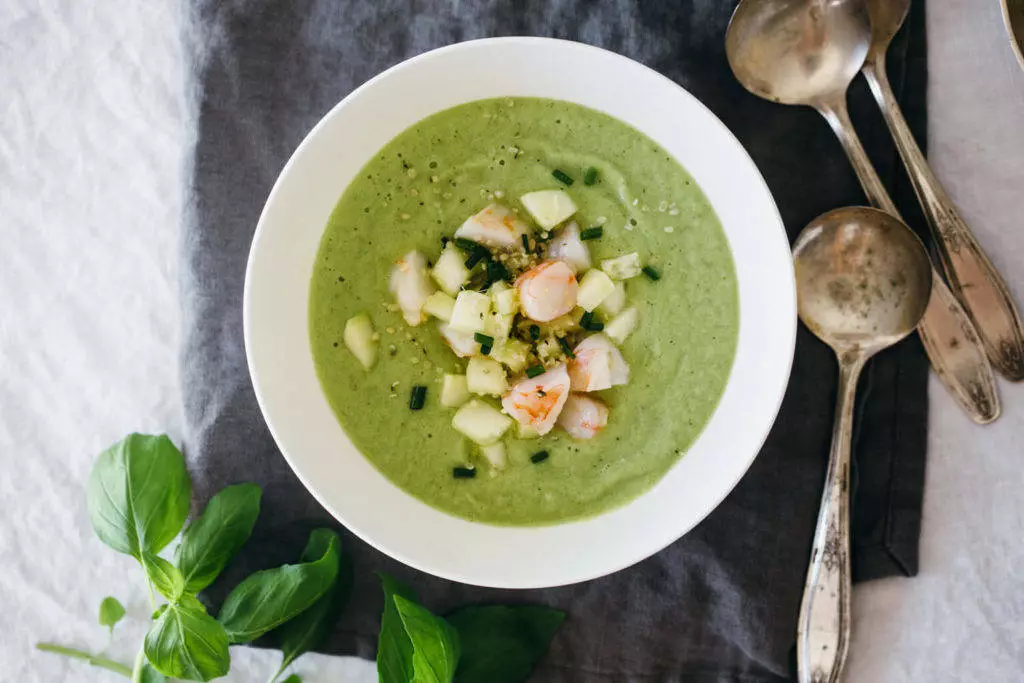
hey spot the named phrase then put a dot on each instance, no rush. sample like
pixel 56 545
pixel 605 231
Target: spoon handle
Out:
pixel 823 632
pixel 949 337
pixel 972 277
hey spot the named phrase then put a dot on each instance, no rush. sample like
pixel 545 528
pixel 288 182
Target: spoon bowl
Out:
pixel 798 52
pixel 863 279
pixel 863 283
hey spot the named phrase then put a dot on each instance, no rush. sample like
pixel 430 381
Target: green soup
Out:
pixel 420 188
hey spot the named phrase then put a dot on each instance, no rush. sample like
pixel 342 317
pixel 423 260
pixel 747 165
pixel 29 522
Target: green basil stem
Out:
pixel 94 660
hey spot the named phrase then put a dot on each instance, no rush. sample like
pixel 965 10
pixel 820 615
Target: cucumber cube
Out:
pixel 359 339
pixel 595 287
pixel 470 312
pixel 481 423
pixel 451 272
pixel 485 376
pixel 439 305
pixel 454 391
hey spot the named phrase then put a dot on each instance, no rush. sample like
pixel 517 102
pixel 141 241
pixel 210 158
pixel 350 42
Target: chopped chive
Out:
pixel 463 472
pixel 539 457
pixel 588 323
pixel 652 272
pixel 565 347
pixel 496 271
pixel 444 241
pixel 592 233
pixel 482 338
pixel 590 176
pixel 478 254
pixel 534 332
pixel 526 242
pixel 418 397
pixel 485 349
pixel 534 371
pixel 463 243
pixel 477 281
pixel 561 176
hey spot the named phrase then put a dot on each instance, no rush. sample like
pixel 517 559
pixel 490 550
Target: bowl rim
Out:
pixel 786 304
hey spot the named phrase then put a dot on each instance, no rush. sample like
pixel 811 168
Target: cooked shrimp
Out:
pixel 568 247
pixel 598 365
pixel 462 343
pixel 547 291
pixel 583 417
pixel 411 286
pixel 537 402
pixel 495 227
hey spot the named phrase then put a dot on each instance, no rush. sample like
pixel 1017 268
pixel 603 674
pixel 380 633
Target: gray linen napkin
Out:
pixel 719 605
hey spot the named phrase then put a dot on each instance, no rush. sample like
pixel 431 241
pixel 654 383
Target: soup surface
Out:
pixel 419 189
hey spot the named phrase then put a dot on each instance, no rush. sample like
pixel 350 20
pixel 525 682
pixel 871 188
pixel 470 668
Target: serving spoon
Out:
pixel 972 277
pixel 863 281
pixel 807 52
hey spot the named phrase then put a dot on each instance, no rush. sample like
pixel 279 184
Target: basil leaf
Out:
pixel 502 644
pixel 269 598
pixel 394 648
pixel 163 575
pixel 147 674
pixel 294 678
pixel 138 494
pixel 210 542
pixel 144 671
pixel 309 630
pixel 111 612
pixel 435 644
pixel 186 642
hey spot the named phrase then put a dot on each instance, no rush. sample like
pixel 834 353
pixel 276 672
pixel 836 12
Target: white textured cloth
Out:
pixel 94 140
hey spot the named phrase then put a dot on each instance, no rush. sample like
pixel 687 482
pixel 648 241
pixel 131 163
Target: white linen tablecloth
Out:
pixel 95 135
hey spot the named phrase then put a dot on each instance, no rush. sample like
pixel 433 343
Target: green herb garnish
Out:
pixel 592 233
pixel 566 349
pixel 526 242
pixel 496 271
pixel 482 338
pixel 652 272
pixel 485 349
pixel 590 176
pixel 534 371
pixel 463 472
pixel 561 176
pixel 417 397
pixel 534 332
pixel 467 245
pixel 476 256
pixel 539 457
pixel 588 323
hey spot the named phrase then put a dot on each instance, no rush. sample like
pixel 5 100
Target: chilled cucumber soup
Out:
pixel 419 188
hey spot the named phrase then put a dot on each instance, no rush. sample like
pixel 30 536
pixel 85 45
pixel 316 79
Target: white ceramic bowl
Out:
pixel 276 305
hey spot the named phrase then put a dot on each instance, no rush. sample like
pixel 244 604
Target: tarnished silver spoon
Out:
pixel 863 281
pixel 972 277
pixel 807 52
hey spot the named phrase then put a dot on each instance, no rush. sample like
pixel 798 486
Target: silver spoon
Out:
pixel 807 52
pixel 863 281
pixel 972 277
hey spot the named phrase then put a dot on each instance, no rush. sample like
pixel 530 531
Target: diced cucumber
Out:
pixel 526 432
pixel 495 454
pixel 595 287
pixel 512 353
pixel 481 423
pixel 505 298
pixel 359 339
pixel 620 327
pixel 454 391
pixel 549 207
pixel 498 326
pixel 451 272
pixel 614 302
pixel 439 305
pixel 470 312
pixel 485 376
pixel 622 267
